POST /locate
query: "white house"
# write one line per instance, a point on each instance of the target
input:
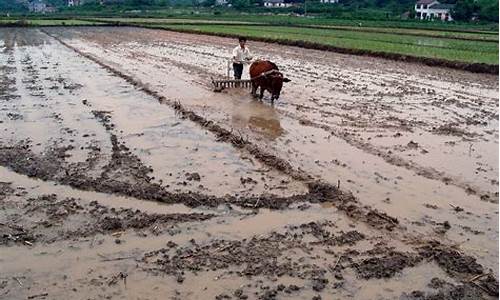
(75, 2)
(276, 3)
(432, 9)
(329, 1)
(39, 6)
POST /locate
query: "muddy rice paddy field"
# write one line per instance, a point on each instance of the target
(124, 176)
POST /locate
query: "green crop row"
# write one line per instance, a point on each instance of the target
(440, 48)
(477, 36)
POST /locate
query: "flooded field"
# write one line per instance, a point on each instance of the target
(123, 175)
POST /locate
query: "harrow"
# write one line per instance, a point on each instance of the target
(220, 84)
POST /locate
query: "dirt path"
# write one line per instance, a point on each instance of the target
(416, 147)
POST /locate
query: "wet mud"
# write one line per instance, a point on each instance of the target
(404, 173)
(144, 186)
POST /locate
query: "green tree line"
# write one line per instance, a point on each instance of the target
(486, 10)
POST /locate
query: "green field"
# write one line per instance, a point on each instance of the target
(441, 48)
(284, 19)
(478, 36)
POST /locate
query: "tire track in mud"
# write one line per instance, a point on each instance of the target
(447, 257)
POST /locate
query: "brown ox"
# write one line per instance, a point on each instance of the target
(265, 74)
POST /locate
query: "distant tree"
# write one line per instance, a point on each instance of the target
(488, 10)
(464, 10)
(336, 11)
(139, 3)
(163, 2)
(11, 6)
(257, 2)
(394, 7)
(240, 4)
(208, 3)
(57, 3)
(412, 14)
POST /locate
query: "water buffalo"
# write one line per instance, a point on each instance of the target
(265, 74)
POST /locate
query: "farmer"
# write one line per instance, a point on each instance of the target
(241, 54)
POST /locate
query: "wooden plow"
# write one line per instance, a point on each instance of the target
(220, 84)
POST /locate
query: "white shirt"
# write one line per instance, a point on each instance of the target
(241, 55)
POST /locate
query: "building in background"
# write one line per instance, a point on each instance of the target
(433, 10)
(75, 2)
(276, 3)
(40, 7)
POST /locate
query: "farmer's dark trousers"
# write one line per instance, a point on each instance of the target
(238, 70)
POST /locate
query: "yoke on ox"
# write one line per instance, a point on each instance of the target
(264, 74)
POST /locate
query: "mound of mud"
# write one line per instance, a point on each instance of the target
(52, 207)
(448, 291)
(453, 130)
(345, 238)
(5, 190)
(13, 233)
(454, 292)
(257, 256)
(126, 175)
(48, 219)
(386, 266)
(122, 219)
(489, 284)
(452, 261)
(20, 159)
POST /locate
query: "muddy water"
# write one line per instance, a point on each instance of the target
(399, 136)
(87, 266)
(417, 143)
(153, 132)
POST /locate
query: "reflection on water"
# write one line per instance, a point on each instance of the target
(255, 115)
